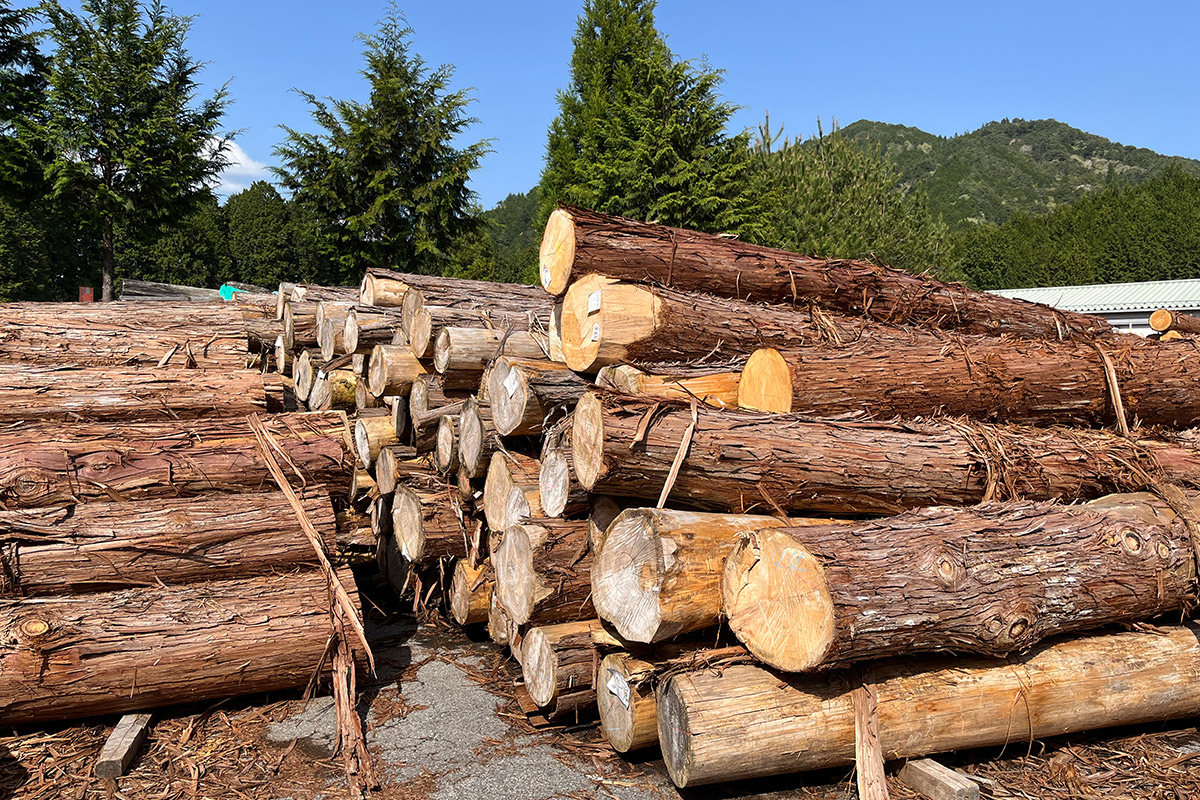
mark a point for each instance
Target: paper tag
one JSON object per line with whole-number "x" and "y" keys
{"x": 545, "y": 275}
{"x": 511, "y": 383}
{"x": 596, "y": 332}
{"x": 618, "y": 687}
{"x": 594, "y": 302}
{"x": 320, "y": 374}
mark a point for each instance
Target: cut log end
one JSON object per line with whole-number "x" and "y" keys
{"x": 508, "y": 394}
{"x": 557, "y": 253}
{"x": 777, "y": 599}
{"x": 766, "y": 383}
{"x": 554, "y": 483}
{"x": 408, "y": 523}
{"x": 587, "y": 440}
{"x": 603, "y": 319}
{"x": 674, "y": 734}
{"x": 470, "y": 593}
{"x": 446, "y": 446}
{"x": 1161, "y": 320}
{"x": 627, "y": 577}
{"x": 628, "y": 711}
{"x": 420, "y": 333}
{"x": 539, "y": 667}
{"x": 515, "y": 581}
{"x": 472, "y": 440}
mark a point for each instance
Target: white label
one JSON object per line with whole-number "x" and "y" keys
{"x": 320, "y": 374}
{"x": 594, "y": 302}
{"x": 596, "y": 332}
{"x": 545, "y": 275}
{"x": 618, "y": 687}
{"x": 510, "y": 383}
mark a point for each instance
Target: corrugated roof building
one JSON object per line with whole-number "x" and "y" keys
{"x": 1127, "y": 306}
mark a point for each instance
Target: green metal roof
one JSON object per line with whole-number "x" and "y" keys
{"x": 1178, "y": 295}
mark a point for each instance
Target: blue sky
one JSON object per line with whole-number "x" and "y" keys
{"x": 1126, "y": 71}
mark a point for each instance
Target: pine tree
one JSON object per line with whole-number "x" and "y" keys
{"x": 132, "y": 146}
{"x": 641, "y": 133}
{"x": 384, "y": 179}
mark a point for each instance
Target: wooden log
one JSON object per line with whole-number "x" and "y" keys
{"x": 497, "y": 622}
{"x": 93, "y": 394}
{"x": 560, "y": 495}
{"x": 603, "y": 511}
{"x": 715, "y": 385}
{"x": 741, "y": 461}
{"x": 386, "y": 288}
{"x": 991, "y": 579}
{"x": 261, "y": 334}
{"x": 381, "y": 518}
{"x": 283, "y": 357}
{"x": 559, "y": 663}
{"x": 396, "y": 462}
{"x": 392, "y": 370}
{"x": 430, "y": 392}
{"x": 165, "y": 334}
{"x": 506, "y": 471}
{"x": 428, "y": 525}
{"x": 657, "y": 572}
{"x": 554, "y": 334}
{"x": 256, "y": 305}
{"x": 523, "y": 393}
{"x": 159, "y": 646}
{"x": 300, "y": 325}
{"x": 361, "y": 485}
{"x": 104, "y": 546}
{"x": 44, "y": 464}
{"x": 429, "y": 321}
{"x": 476, "y": 438}
{"x": 122, "y": 744}
{"x": 446, "y": 448}
{"x": 1164, "y": 320}
{"x": 304, "y": 370}
{"x": 577, "y": 242}
{"x": 371, "y": 434}
{"x": 367, "y": 326}
{"x": 745, "y": 722}
{"x": 425, "y": 421}
{"x": 512, "y": 299}
{"x": 333, "y": 389}
{"x": 626, "y": 702}
{"x": 468, "y": 350}
{"x": 471, "y": 592}
{"x": 356, "y": 544}
{"x": 363, "y": 399}
{"x": 542, "y": 572}
{"x": 331, "y": 327}
{"x": 930, "y": 779}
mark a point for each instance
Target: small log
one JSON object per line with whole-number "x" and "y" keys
{"x": 1164, "y": 320}
{"x": 95, "y": 547}
{"x": 497, "y": 622}
{"x": 44, "y": 464}
{"x": 363, "y": 399}
{"x": 512, "y": 299}
{"x": 714, "y": 725}
{"x": 626, "y": 702}
{"x": 471, "y": 592}
{"x": 577, "y": 242}
{"x": 604, "y": 510}
{"x": 446, "y": 448}
{"x": 429, "y": 392}
{"x": 506, "y": 471}
{"x": 559, "y": 664}
{"x": 713, "y": 385}
{"x": 387, "y": 288}
{"x": 429, "y": 321}
{"x": 361, "y": 485}
{"x": 559, "y": 494}
{"x": 396, "y": 462}
{"x": 122, "y": 745}
{"x": 554, "y": 334}
{"x": 161, "y": 646}
{"x": 392, "y": 370}
{"x": 381, "y": 517}
{"x": 335, "y": 389}
{"x": 992, "y": 579}
{"x": 523, "y": 393}
{"x": 930, "y": 779}
{"x": 740, "y": 461}
{"x": 283, "y": 357}
{"x": 366, "y": 327}
{"x": 542, "y": 572}
{"x": 300, "y": 325}
{"x": 372, "y": 434}
{"x": 304, "y": 370}
{"x": 476, "y": 438}
{"x": 468, "y": 350}
{"x": 331, "y": 327}
{"x": 428, "y": 525}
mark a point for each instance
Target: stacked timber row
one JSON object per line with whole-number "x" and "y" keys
{"x": 148, "y": 531}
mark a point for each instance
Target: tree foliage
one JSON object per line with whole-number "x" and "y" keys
{"x": 384, "y": 180}
{"x": 23, "y": 70}
{"x": 261, "y": 244}
{"x": 641, "y": 133}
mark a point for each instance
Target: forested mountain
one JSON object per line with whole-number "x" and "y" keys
{"x": 1010, "y": 167}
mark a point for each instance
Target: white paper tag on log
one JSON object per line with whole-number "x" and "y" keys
{"x": 594, "y": 302}
{"x": 545, "y": 275}
{"x": 320, "y": 374}
{"x": 596, "y": 332}
{"x": 510, "y": 383}
{"x": 619, "y": 687}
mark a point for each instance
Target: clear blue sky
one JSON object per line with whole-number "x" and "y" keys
{"x": 1127, "y": 71}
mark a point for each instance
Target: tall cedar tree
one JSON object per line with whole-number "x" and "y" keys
{"x": 133, "y": 147}
{"x": 642, "y": 134}
{"x": 836, "y": 198}
{"x": 259, "y": 235}
{"x": 383, "y": 179}
{"x": 22, "y": 91}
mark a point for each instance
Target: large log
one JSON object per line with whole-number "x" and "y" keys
{"x": 469, "y": 350}
{"x": 542, "y": 572}
{"x": 429, "y": 321}
{"x": 991, "y": 579}
{"x": 657, "y": 572}
{"x": 203, "y": 335}
{"x": 93, "y": 394}
{"x": 47, "y": 463}
{"x": 107, "y": 653}
{"x": 745, "y": 722}
{"x": 513, "y": 299}
{"x": 741, "y": 461}
{"x": 577, "y": 242}
{"x": 103, "y": 546}
{"x": 523, "y": 393}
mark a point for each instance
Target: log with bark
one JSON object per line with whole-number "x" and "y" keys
{"x": 497, "y": 624}
{"x": 178, "y": 335}
{"x": 445, "y": 451}
{"x": 49, "y": 463}
{"x": 96, "y": 547}
{"x": 515, "y": 300}
{"x": 559, "y": 493}
{"x": 428, "y": 522}
{"x": 559, "y": 663}
{"x": 304, "y": 372}
{"x": 508, "y": 471}
{"x": 745, "y": 722}
{"x": 524, "y": 393}
{"x": 111, "y": 652}
{"x": 476, "y": 438}
{"x": 356, "y": 543}
{"x": 471, "y": 592}
{"x": 577, "y": 242}
{"x": 395, "y": 463}
{"x": 368, "y": 326}
{"x": 430, "y": 392}
{"x": 542, "y": 572}
{"x": 1164, "y": 320}
{"x": 333, "y": 389}
{"x": 991, "y": 579}
{"x": 429, "y": 321}
{"x": 331, "y": 327}
{"x": 715, "y": 385}
{"x": 467, "y": 351}
{"x": 392, "y": 370}
{"x": 741, "y": 461}
{"x": 93, "y": 394}
{"x": 371, "y": 434}
{"x": 387, "y": 288}
{"x": 300, "y": 325}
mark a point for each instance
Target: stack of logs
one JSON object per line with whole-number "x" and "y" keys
{"x": 148, "y": 555}
{"x": 718, "y": 494}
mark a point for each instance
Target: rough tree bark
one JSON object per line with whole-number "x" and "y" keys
{"x": 542, "y": 572}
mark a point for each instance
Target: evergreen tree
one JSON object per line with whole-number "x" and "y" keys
{"x": 513, "y": 225}
{"x": 190, "y": 251}
{"x": 832, "y": 197}
{"x": 257, "y": 220}
{"x": 24, "y": 259}
{"x": 132, "y": 146}
{"x": 641, "y": 133}
{"x": 22, "y": 103}
{"x": 384, "y": 179}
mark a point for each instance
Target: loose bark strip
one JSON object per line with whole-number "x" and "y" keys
{"x": 713, "y": 385}
{"x": 577, "y": 242}
{"x": 868, "y": 757}
{"x": 94, "y": 394}
{"x": 497, "y": 622}
{"x": 159, "y": 646}
{"x": 428, "y": 525}
{"x": 47, "y": 463}
{"x": 471, "y": 592}
{"x": 740, "y": 461}
{"x": 105, "y": 546}
{"x": 523, "y": 393}
{"x": 992, "y": 579}
{"x": 193, "y": 335}
{"x": 542, "y": 572}
{"x": 745, "y": 722}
